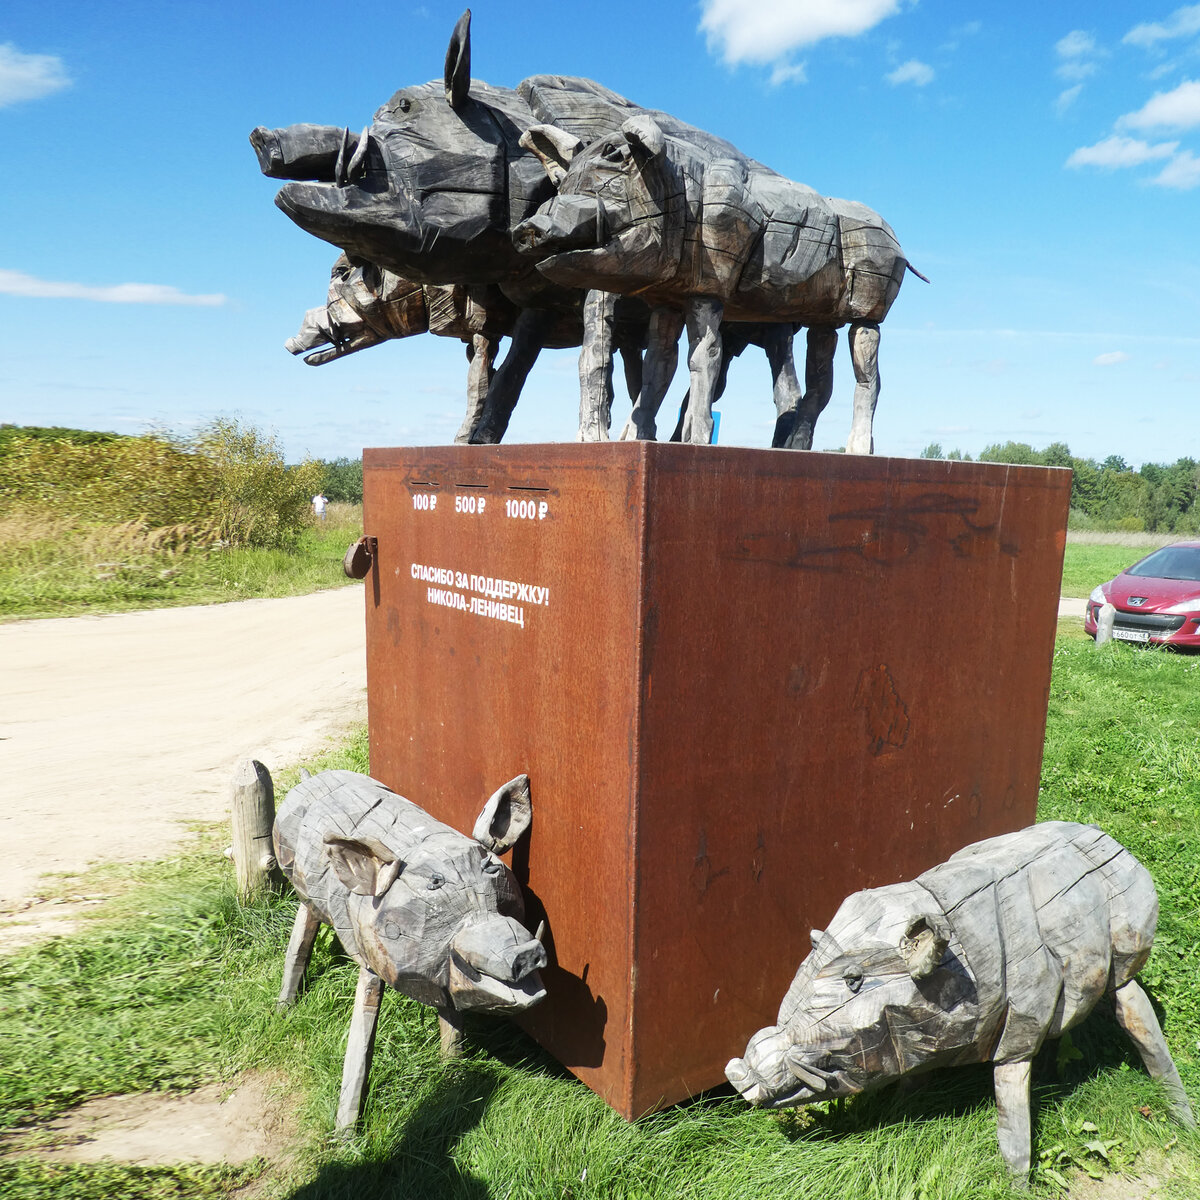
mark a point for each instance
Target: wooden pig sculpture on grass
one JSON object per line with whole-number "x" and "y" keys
{"x": 1011, "y": 941}
{"x": 418, "y": 905}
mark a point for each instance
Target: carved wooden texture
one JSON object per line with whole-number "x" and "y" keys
{"x": 360, "y": 1047}
{"x": 1136, "y": 1016}
{"x": 699, "y": 219}
{"x": 427, "y": 145}
{"x": 367, "y": 305}
{"x": 1012, "y": 940}
{"x": 253, "y": 809}
{"x": 419, "y": 906}
{"x": 590, "y": 112}
{"x": 299, "y": 951}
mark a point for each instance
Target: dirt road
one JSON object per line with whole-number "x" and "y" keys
{"x": 117, "y": 730}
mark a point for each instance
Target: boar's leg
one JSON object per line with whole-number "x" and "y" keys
{"x": 734, "y": 339}
{"x": 450, "y": 1032}
{"x": 777, "y": 341}
{"x": 1136, "y": 1016}
{"x": 662, "y": 357}
{"x": 481, "y": 357}
{"x": 528, "y": 337}
{"x": 298, "y": 953}
{"x": 818, "y": 387}
{"x": 864, "y": 353}
{"x": 359, "y": 1048}
{"x": 631, "y": 361}
{"x": 595, "y": 366}
{"x": 703, "y": 319}
{"x": 1012, "y": 1117}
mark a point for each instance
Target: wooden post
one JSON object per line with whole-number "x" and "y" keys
{"x": 253, "y": 806}
{"x": 1104, "y": 624}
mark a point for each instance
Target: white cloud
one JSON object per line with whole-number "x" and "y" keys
{"x": 15, "y": 283}
{"x": 1117, "y": 151}
{"x": 1076, "y": 54}
{"x": 1076, "y": 44}
{"x": 1111, "y": 358}
{"x": 788, "y": 73}
{"x": 1075, "y": 69}
{"x": 1182, "y": 172}
{"x": 914, "y": 72}
{"x": 762, "y": 31}
{"x": 1176, "y": 109}
{"x": 29, "y": 76}
{"x": 1183, "y": 22}
{"x": 1067, "y": 98}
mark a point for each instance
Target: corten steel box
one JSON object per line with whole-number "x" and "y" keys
{"x": 744, "y": 684}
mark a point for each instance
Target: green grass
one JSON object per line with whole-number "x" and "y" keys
{"x": 112, "y": 570}
{"x": 177, "y": 988}
{"x": 1087, "y": 564}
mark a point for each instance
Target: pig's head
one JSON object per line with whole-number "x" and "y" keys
{"x": 430, "y": 189}
{"x": 443, "y": 925}
{"x": 366, "y": 305}
{"x": 618, "y": 218}
{"x": 883, "y": 993}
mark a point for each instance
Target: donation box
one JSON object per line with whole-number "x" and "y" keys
{"x": 744, "y": 684}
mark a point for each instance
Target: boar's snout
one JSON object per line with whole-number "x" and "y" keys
{"x": 267, "y": 150}
{"x": 302, "y": 151}
{"x": 315, "y": 330}
{"x": 746, "y": 1080}
{"x": 494, "y": 964}
{"x": 566, "y": 223}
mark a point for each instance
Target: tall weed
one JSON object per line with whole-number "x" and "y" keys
{"x": 227, "y": 483}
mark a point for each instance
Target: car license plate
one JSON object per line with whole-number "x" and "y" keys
{"x": 1131, "y": 635}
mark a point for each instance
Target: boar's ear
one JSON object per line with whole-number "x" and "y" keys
{"x": 823, "y": 942}
{"x": 644, "y": 136}
{"x": 505, "y": 816}
{"x": 458, "y": 62}
{"x": 554, "y": 147}
{"x": 365, "y": 866}
{"x": 923, "y": 944}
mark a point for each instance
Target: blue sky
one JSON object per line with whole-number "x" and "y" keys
{"x": 1039, "y": 162}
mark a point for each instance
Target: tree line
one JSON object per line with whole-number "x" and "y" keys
{"x": 1157, "y": 498}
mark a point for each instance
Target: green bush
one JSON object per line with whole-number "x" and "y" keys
{"x": 259, "y": 500}
{"x": 226, "y": 483}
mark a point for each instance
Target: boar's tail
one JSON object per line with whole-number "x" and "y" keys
{"x": 915, "y": 271}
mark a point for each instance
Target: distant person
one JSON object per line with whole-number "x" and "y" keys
{"x": 320, "y": 503}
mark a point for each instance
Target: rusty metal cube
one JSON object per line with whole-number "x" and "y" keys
{"x": 744, "y": 684}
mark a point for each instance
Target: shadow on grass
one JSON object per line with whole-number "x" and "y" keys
{"x": 422, "y": 1162}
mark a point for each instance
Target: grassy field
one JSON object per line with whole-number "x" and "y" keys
{"x": 176, "y": 988}
{"x": 1101, "y": 556}
{"x": 54, "y": 568}
{"x": 60, "y": 568}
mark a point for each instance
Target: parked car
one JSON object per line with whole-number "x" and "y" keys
{"x": 1157, "y": 599}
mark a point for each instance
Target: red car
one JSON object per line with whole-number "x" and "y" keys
{"x": 1157, "y": 599}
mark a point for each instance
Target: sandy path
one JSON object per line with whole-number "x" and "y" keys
{"x": 117, "y": 730}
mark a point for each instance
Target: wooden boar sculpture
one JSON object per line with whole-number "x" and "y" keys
{"x": 367, "y": 305}
{"x": 670, "y": 213}
{"x": 419, "y": 906}
{"x": 432, "y": 188}
{"x": 1010, "y": 941}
